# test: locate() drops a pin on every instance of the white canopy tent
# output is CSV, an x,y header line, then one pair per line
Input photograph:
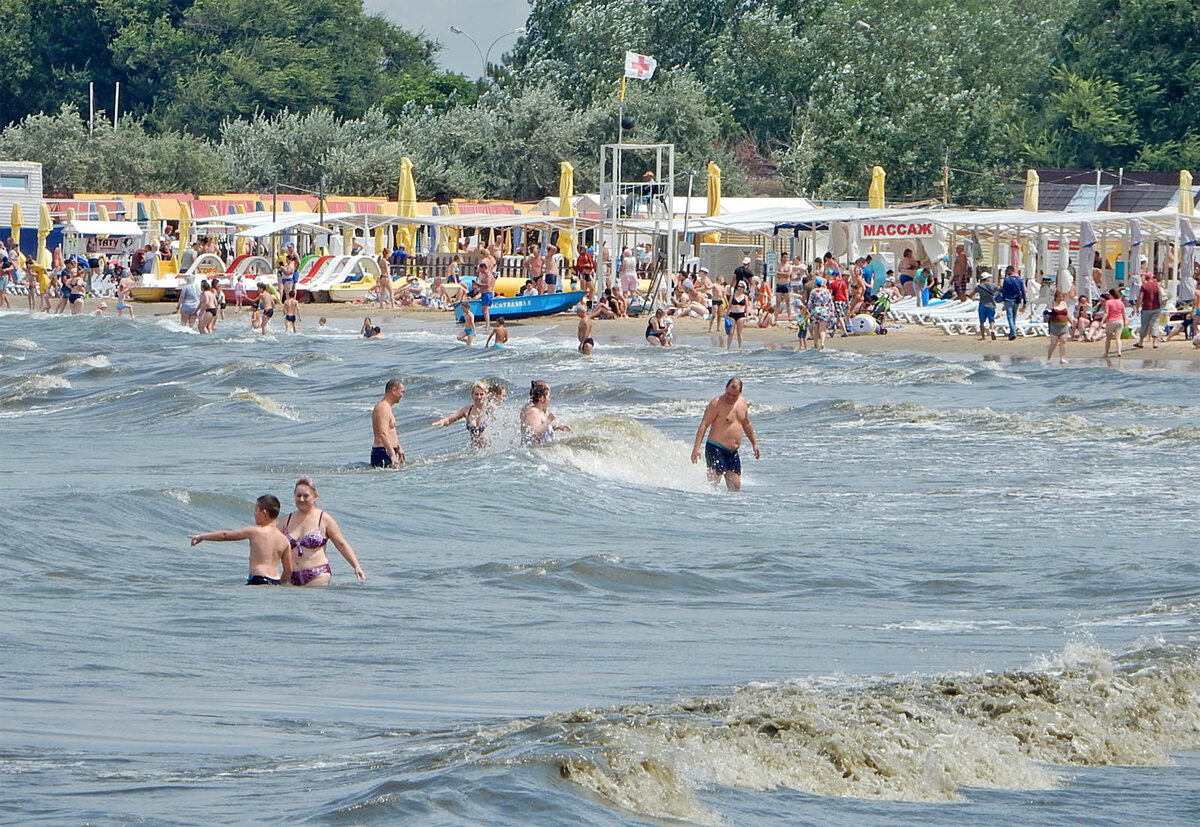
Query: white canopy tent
x,y
125,229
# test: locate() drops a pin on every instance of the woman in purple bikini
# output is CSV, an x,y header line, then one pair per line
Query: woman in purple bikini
x,y
308,529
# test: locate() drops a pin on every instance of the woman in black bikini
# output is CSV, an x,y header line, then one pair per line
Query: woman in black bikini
x,y
475,414
308,529
737,314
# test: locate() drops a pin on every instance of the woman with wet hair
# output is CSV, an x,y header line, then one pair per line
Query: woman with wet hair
x,y
537,421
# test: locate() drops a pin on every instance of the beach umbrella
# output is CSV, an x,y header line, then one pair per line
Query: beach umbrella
x,y
714,199
1032,180
240,243
1084,286
45,225
875,193
1187,259
566,209
101,212
380,231
1187,205
213,212
406,203
16,221
185,227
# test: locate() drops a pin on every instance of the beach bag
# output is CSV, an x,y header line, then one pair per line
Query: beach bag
x,y
1127,332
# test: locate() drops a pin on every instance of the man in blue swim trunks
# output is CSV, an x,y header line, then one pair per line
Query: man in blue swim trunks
x,y
386,452
726,419
485,283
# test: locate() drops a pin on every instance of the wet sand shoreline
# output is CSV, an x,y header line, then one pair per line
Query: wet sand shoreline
x,y
900,338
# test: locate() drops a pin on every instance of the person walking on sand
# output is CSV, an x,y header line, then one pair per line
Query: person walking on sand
x,y
820,311
268,546
386,452
1114,320
987,291
726,419
1013,291
1149,303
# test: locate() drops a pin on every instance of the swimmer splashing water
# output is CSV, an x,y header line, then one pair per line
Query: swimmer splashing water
x,y
537,422
726,419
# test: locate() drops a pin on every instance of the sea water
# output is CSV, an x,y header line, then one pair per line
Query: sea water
x,y
951,590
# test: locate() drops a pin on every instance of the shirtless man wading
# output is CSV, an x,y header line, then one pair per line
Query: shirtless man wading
x,y
729,418
387,452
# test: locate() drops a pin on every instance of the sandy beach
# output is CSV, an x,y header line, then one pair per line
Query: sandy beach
x,y
899,338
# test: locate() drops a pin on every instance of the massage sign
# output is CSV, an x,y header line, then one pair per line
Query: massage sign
x,y
898,229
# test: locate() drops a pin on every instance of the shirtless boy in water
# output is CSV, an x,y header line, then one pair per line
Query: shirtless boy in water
x,y
728,417
586,343
268,547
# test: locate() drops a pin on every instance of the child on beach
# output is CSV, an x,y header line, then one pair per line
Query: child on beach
x,y
800,314
291,313
268,547
499,334
255,318
239,292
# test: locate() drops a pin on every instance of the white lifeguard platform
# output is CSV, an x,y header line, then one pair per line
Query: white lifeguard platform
x,y
637,197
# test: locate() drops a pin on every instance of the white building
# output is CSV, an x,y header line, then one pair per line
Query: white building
x,y
20,183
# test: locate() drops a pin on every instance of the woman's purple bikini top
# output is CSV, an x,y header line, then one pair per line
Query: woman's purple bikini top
x,y
312,540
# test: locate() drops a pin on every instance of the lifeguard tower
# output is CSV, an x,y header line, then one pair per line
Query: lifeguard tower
x,y
637,197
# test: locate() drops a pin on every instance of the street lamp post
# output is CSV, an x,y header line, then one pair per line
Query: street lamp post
x,y
485,56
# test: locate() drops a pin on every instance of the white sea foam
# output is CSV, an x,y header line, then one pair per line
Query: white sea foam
x,y
266,403
22,344
623,450
94,361
923,739
35,384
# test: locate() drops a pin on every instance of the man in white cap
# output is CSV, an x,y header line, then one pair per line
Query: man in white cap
x,y
986,290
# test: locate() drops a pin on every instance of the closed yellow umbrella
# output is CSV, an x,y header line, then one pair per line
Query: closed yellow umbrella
x,y
16,222
45,225
102,215
406,203
566,209
875,199
156,217
213,212
240,243
185,227
380,231
1187,204
1032,180
714,198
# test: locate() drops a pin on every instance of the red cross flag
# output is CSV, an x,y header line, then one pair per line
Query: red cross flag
x,y
639,67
